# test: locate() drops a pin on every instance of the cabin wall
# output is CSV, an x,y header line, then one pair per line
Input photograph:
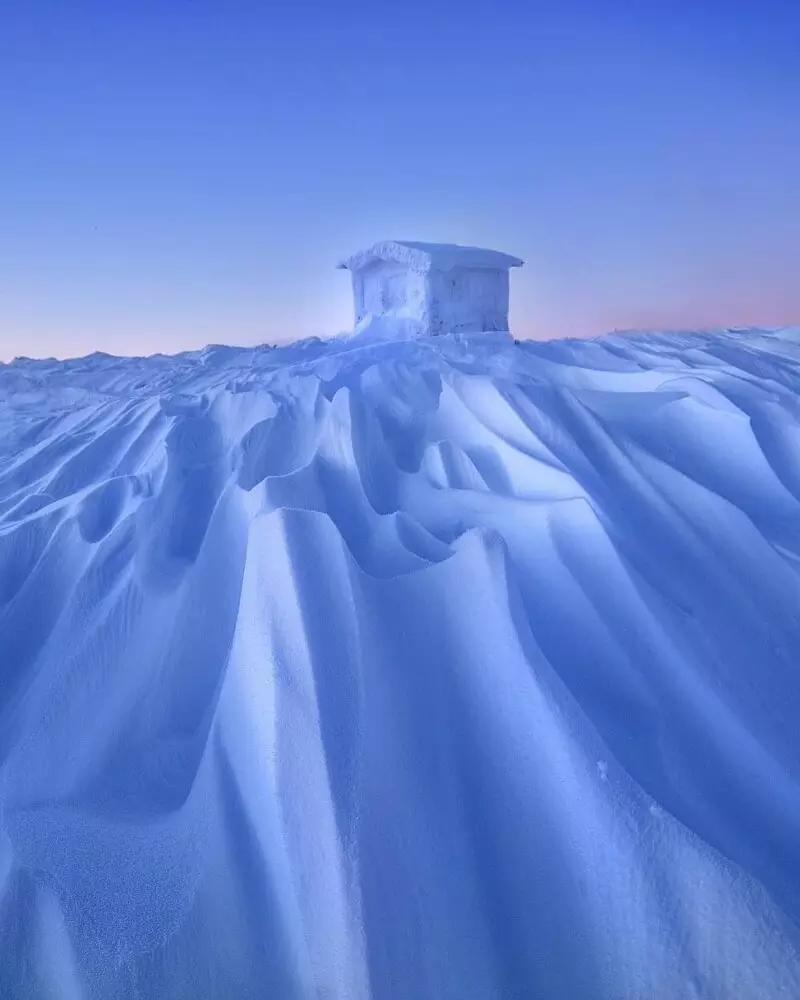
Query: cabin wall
x,y
467,300
385,288
358,296
458,300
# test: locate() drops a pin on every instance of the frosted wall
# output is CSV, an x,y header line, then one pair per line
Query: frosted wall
x,y
389,289
468,299
461,299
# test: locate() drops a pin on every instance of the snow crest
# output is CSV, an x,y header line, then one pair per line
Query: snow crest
x,y
450,669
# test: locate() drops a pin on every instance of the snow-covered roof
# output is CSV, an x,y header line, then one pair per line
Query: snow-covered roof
x,y
427,256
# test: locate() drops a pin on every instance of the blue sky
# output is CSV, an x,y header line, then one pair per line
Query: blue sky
x,y
177,172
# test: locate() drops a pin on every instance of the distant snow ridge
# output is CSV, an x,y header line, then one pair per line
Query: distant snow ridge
x,y
451,669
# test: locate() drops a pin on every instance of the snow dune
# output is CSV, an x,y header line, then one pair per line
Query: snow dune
x,y
450,669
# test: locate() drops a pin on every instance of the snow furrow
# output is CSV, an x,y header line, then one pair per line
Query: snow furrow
x,y
454,669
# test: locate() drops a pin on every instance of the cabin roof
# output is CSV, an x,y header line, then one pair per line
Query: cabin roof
x,y
430,256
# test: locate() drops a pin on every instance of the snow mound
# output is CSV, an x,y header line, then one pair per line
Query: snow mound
x,y
445,669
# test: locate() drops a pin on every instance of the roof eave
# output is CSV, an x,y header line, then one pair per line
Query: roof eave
x,y
422,260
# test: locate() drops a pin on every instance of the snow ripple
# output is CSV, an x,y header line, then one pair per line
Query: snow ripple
x,y
456,668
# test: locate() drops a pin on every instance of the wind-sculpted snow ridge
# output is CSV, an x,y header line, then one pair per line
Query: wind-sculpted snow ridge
x,y
452,669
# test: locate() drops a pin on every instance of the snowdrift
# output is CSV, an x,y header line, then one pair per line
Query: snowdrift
x,y
450,669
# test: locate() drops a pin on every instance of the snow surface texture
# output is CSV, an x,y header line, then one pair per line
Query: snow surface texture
x,y
450,669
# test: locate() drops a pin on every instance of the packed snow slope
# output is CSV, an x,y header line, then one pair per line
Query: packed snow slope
x,y
450,669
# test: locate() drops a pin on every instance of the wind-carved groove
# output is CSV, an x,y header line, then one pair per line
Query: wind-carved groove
x,y
393,670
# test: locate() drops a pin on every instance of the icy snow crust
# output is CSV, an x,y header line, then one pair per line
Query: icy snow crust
x,y
450,669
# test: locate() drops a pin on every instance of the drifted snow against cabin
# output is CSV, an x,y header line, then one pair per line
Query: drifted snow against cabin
x,y
436,288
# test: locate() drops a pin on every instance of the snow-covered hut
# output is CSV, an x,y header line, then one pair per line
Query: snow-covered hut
x,y
431,288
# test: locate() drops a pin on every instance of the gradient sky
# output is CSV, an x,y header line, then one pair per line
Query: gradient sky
x,y
178,172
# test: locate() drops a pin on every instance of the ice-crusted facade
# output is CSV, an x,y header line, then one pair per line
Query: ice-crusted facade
x,y
431,288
